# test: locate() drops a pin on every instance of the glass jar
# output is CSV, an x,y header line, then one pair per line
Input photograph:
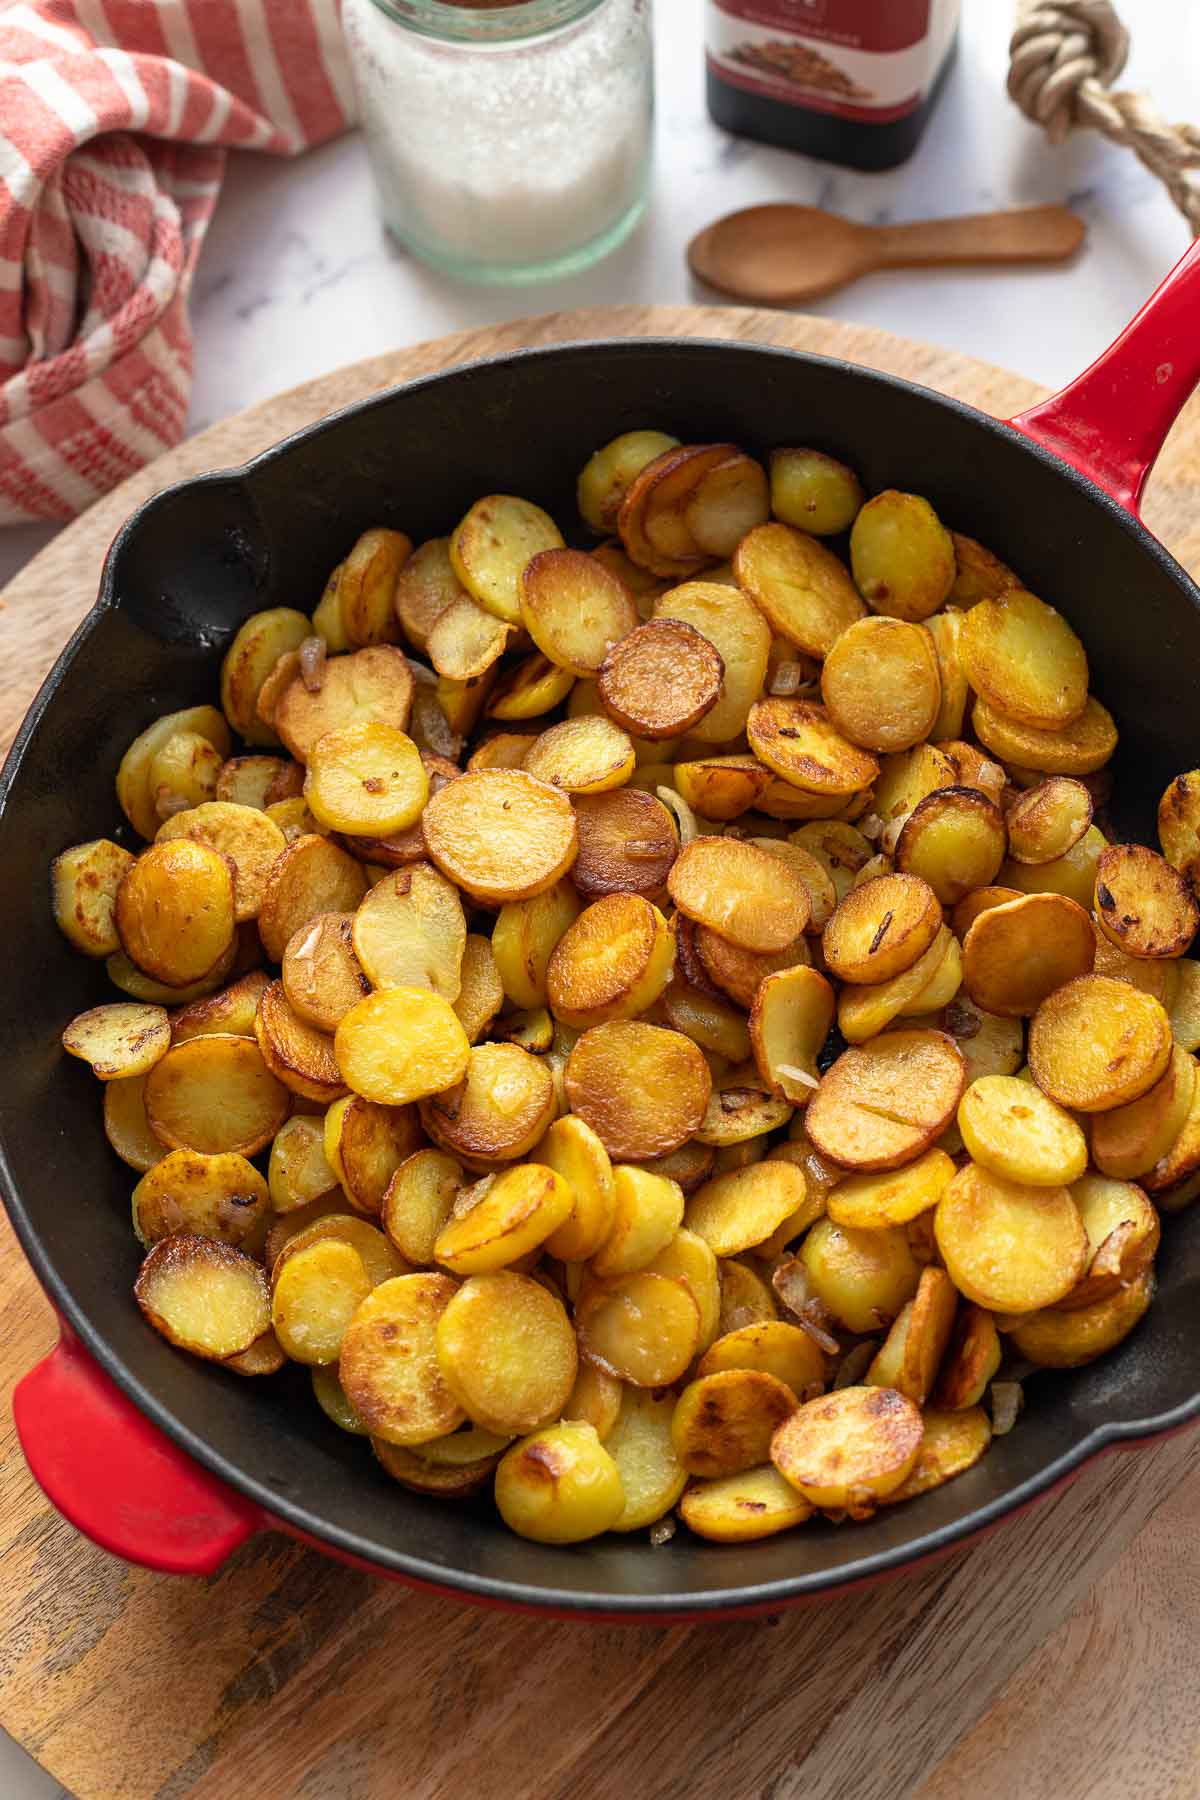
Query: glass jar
x,y
509,142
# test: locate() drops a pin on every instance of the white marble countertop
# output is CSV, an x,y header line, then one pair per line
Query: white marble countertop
x,y
297,276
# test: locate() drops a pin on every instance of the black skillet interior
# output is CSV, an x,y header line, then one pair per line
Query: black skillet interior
x,y
181,576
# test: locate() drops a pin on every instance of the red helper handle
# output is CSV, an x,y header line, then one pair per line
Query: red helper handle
x,y
1111,421
117,1477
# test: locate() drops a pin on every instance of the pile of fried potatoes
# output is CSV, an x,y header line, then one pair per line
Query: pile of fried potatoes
x,y
654,1027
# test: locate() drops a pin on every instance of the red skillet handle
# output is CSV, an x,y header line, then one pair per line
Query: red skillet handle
x,y
116,1477
1111,421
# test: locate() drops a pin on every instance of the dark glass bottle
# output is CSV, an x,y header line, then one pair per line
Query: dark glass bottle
x,y
852,81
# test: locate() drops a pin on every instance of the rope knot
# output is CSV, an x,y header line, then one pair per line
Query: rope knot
x,y
1058,46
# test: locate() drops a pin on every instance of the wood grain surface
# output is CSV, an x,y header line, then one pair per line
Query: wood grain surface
x,y
1055,1657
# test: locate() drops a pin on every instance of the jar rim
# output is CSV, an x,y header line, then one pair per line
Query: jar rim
x,y
459,21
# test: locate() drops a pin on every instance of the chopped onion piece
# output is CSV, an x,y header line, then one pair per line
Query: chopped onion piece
x,y
1008,1397
795,1292
420,672
855,1364
313,652
662,1533
871,827
790,1072
786,679
992,773
685,818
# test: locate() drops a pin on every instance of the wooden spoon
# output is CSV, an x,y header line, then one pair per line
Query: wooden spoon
x,y
784,253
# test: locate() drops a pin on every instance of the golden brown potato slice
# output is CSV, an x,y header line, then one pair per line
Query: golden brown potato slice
x,y
851,1449
813,491
231,1011
1143,905
971,1360
389,1365
746,1299
330,1396
690,1165
1016,954
498,1111
84,882
264,1357
507,1353
418,1203
797,740
215,1093
945,628
1098,1043
953,1443
644,586
863,1278
283,671
425,587
481,993
642,1089
732,499
175,911
724,1422
221,1197
739,1112
1075,749
901,556
881,929
866,1010
741,1209
574,608
789,1022
596,1400
722,787
400,1045
358,605
522,1208
955,840
737,1509
119,1041
647,1213
572,1149
661,679
774,1347
1179,823
969,909
627,843
880,684
1129,1140
257,647
410,931
912,1352
1073,874
322,977
802,588
298,1172
738,632
559,1486
365,1144
203,1296
687,1258
379,1258
1123,1234
465,641
713,1024
1159,977
133,776
366,779
126,1126
1065,1340
639,1442
524,940
500,834
493,543
740,892
881,1104
822,894
1178,1165
1048,820
502,750
295,1052
653,518
607,475
371,685
445,1481
905,779
612,963
246,837
1184,1004
643,1328
131,980
872,1202
1008,1246
980,575
249,780
309,878
531,689
732,971
1024,660
586,755
973,767
1012,1129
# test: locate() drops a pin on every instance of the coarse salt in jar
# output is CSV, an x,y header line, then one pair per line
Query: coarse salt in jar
x,y
509,142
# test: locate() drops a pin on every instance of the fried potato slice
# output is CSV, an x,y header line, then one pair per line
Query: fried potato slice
x,y
522,1208
365,586
881,929
203,1296
574,608
389,1365
1179,823
425,587
1008,1246
881,1104
1123,1234
687,1258
595,1400
364,1144
309,878
246,837
559,1486
366,780
641,1088
256,648
741,1209
945,628
952,1444
738,1509
1098,1043
499,1110
746,1299
639,1441
1143,905
1073,874
1024,660
299,1173
866,1010
1159,977
481,993
1048,820
230,1011
418,1202
797,740
735,972
980,574
1012,1129
801,587
1017,954
880,684
722,787
524,939
971,1360
126,1126
84,882
813,491
969,908
627,843
493,543
713,1024
653,516
643,1328
322,977
739,1111
465,640
255,781
572,1149
1075,749
1128,1141
531,689
373,685
607,475
612,963
774,1347
295,1052
582,756
410,931
740,635
400,1045
955,840
647,1213
1065,1340
222,1197
1179,1164
661,679
690,1165
1184,1005
501,834
330,1396
724,1422
911,1354
264,1357
134,792
789,1022
731,499
446,1481
507,1353
213,1094
901,556
864,1278
739,891
850,1449
904,780
379,1258
873,1202
503,750
119,1041
175,911
289,1226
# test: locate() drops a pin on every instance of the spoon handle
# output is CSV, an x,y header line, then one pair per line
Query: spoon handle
x,y
1026,234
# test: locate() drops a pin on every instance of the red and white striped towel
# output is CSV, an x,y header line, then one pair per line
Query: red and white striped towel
x,y
114,120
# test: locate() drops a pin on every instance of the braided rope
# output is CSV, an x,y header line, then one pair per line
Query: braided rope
x,y
1063,59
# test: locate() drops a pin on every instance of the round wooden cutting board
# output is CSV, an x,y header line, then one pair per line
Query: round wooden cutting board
x,y
289,1675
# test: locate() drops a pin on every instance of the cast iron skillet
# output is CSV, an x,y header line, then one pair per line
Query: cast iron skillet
x,y
172,1462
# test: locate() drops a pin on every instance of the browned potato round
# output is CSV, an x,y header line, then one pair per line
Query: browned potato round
x,y
1016,954
255,781
953,1443
310,877
379,1258
493,543
740,892
739,1112
213,1094
232,1010
1097,1043
724,1422
741,1209
789,1021
802,588
175,911
861,1278
465,641
502,750
119,1041
531,689
364,1145
612,963
389,1365
574,608
872,1202
849,1449
1073,874
1170,1178
299,1173
204,1296
1129,1140
647,1213
322,977
317,1288
587,755
400,1045
955,840
909,1358
297,1054
257,647
726,967
813,491
1007,1246
425,587
1143,905
414,1468
374,684
1123,1234
796,739
506,1351
520,1209
560,1486
736,1509
881,1104
126,1126
729,501
1048,820
643,1328
980,574
881,928
134,792
84,882
498,1111
653,520
1012,1129
1161,978
608,474
222,1197
366,779
1064,1340
248,838
1024,660
772,1345
880,684
661,679
970,1361
410,931
722,787
524,938
643,1090
716,1026
945,629
690,1165
418,1203
1179,823
481,992
627,843
901,556
1075,749
500,834
866,1010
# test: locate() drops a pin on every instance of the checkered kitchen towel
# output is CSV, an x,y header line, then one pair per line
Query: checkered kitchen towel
x,y
114,120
